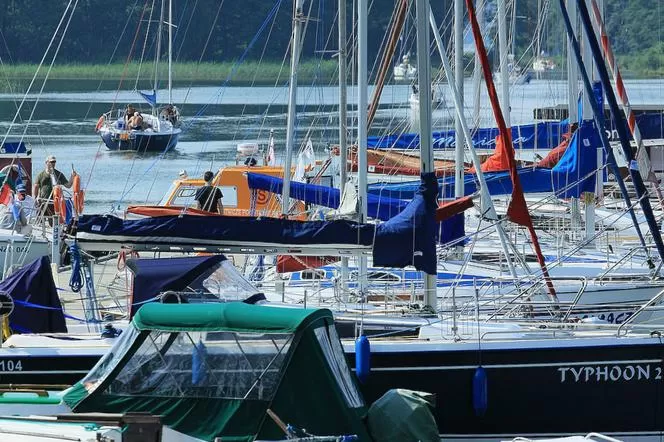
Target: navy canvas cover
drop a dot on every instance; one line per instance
(229, 228)
(37, 307)
(409, 238)
(155, 276)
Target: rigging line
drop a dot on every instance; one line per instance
(48, 72)
(128, 59)
(599, 119)
(217, 94)
(145, 44)
(520, 211)
(101, 81)
(621, 126)
(34, 77)
(261, 117)
(206, 128)
(204, 50)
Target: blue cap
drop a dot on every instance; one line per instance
(20, 188)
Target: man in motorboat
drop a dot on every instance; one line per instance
(26, 201)
(14, 215)
(44, 184)
(208, 197)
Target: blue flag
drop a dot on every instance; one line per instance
(150, 98)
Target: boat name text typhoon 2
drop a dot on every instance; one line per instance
(610, 373)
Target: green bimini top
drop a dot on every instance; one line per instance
(232, 316)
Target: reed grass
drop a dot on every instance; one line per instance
(247, 72)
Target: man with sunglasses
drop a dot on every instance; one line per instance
(42, 189)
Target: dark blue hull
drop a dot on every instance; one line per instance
(141, 141)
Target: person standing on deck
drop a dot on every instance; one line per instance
(43, 186)
(208, 197)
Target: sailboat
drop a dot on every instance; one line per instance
(158, 131)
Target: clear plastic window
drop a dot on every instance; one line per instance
(225, 282)
(331, 346)
(184, 364)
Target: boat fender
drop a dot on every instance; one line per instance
(78, 197)
(198, 365)
(480, 391)
(59, 203)
(362, 358)
(100, 123)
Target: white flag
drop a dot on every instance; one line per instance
(308, 155)
(271, 159)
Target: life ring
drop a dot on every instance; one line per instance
(78, 197)
(59, 203)
(100, 123)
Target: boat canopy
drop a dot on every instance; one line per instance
(210, 277)
(37, 307)
(572, 175)
(213, 370)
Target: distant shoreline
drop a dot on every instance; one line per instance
(16, 77)
(248, 72)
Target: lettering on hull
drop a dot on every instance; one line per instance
(610, 373)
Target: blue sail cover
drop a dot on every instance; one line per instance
(566, 178)
(409, 237)
(544, 135)
(37, 307)
(377, 207)
(191, 229)
(155, 276)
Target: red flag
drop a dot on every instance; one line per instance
(517, 211)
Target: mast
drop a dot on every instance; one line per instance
(343, 104)
(572, 74)
(298, 20)
(487, 208)
(598, 114)
(158, 51)
(170, 51)
(504, 74)
(362, 100)
(642, 157)
(459, 74)
(641, 191)
(426, 152)
(390, 47)
(477, 71)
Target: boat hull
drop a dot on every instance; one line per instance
(140, 141)
(536, 387)
(532, 390)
